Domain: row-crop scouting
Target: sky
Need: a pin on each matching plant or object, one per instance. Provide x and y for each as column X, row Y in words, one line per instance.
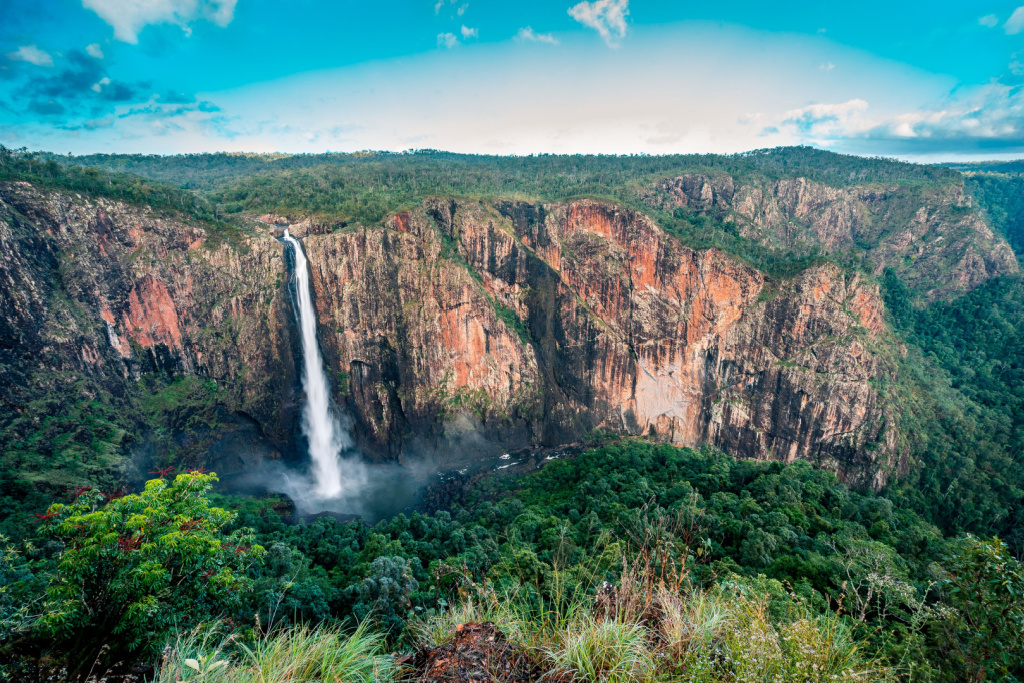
column 931, row 81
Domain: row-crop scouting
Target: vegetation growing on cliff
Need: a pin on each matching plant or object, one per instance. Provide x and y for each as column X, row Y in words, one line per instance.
column 1001, row 196
column 963, row 395
column 45, row 171
column 365, row 187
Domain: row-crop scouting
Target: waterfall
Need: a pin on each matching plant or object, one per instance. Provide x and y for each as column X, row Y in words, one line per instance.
column 320, row 425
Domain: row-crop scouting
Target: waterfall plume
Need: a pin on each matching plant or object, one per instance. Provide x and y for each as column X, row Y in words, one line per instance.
column 331, row 477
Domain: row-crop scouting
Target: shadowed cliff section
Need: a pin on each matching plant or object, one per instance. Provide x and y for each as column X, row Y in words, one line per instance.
column 105, row 304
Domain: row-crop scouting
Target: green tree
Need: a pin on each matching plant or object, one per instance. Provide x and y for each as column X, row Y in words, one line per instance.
column 17, row 600
column 986, row 588
column 385, row 595
column 135, row 568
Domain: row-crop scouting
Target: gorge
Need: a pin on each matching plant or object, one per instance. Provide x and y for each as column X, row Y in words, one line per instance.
column 777, row 371
column 461, row 329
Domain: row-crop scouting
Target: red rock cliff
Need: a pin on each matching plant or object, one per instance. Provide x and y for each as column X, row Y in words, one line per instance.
column 467, row 329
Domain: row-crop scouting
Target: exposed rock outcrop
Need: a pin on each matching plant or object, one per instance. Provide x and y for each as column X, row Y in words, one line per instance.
column 102, row 292
column 928, row 235
column 637, row 334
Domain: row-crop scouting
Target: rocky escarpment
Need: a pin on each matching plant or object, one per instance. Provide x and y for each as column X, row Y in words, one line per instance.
column 930, row 235
column 458, row 330
column 475, row 329
column 420, row 352
column 97, row 295
column 644, row 336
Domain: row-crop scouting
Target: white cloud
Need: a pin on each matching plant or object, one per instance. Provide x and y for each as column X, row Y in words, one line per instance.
column 32, row 55
column 992, row 112
column 826, row 66
column 829, row 121
column 129, row 17
column 1016, row 66
column 94, row 51
column 468, row 32
column 989, row 20
column 448, row 40
column 1015, row 24
column 989, row 117
column 96, row 87
column 527, row 35
column 607, row 17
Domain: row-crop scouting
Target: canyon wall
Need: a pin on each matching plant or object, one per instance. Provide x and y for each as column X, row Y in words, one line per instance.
column 97, row 296
column 462, row 330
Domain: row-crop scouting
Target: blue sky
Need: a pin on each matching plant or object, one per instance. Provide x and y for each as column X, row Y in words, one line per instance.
column 926, row 81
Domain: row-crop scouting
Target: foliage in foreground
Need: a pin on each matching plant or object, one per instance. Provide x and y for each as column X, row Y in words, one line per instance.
column 296, row 654
column 129, row 571
column 718, row 550
column 728, row 634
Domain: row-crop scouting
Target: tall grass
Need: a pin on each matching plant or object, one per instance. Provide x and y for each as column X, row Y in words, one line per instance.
column 292, row 655
column 641, row 632
column 605, row 650
column 648, row 632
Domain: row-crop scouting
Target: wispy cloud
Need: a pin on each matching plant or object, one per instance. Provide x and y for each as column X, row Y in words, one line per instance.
column 993, row 113
column 459, row 9
column 607, row 17
column 129, row 17
column 528, row 35
column 1015, row 24
column 448, row 40
column 468, row 32
column 168, row 106
column 827, row 120
column 94, row 51
column 826, row 66
column 32, row 55
column 985, row 117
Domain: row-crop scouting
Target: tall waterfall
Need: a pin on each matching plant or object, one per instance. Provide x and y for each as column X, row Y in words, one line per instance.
column 320, row 425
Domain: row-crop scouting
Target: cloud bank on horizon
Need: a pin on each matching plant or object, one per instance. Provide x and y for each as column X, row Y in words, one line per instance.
column 942, row 80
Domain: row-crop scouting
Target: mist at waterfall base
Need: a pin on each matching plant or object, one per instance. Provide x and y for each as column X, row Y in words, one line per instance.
column 323, row 472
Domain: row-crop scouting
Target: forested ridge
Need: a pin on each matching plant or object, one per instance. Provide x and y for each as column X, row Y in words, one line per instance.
column 720, row 569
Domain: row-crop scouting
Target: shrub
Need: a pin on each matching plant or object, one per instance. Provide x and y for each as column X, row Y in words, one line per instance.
column 137, row 566
column 608, row 650
column 985, row 588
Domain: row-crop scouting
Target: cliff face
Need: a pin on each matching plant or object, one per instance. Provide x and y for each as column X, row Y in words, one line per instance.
column 930, row 236
column 643, row 336
column 461, row 330
column 96, row 294
column 619, row 328
column 418, row 349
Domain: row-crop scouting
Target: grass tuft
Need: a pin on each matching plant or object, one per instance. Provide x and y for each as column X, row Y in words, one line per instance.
column 292, row 655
